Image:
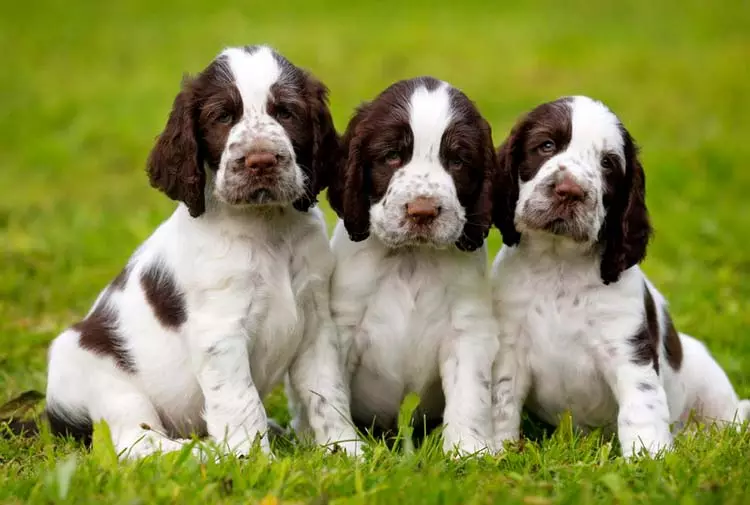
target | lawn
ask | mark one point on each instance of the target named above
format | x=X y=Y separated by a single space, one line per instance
x=86 y=86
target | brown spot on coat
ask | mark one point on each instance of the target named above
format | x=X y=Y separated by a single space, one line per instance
x=672 y=344
x=162 y=293
x=98 y=334
x=646 y=340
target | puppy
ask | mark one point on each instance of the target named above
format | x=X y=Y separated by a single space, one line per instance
x=231 y=292
x=409 y=293
x=590 y=333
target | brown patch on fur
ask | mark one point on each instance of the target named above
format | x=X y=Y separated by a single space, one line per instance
x=381 y=127
x=98 y=334
x=162 y=293
x=61 y=427
x=672 y=343
x=646 y=341
x=519 y=158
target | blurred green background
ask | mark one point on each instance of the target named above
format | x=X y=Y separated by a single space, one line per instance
x=87 y=85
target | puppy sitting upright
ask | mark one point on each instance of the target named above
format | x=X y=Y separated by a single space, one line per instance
x=409 y=293
x=231 y=292
x=591 y=334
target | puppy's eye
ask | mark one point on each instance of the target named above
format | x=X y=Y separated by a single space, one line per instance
x=282 y=112
x=225 y=117
x=455 y=163
x=608 y=162
x=392 y=159
x=546 y=147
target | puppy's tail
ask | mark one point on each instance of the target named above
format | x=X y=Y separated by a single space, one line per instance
x=14 y=412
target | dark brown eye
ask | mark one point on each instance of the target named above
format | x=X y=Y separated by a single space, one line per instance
x=455 y=163
x=546 y=147
x=225 y=117
x=282 y=112
x=392 y=159
x=608 y=162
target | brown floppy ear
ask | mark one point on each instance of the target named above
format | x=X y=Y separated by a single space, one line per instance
x=479 y=213
x=505 y=187
x=321 y=164
x=627 y=228
x=348 y=193
x=175 y=165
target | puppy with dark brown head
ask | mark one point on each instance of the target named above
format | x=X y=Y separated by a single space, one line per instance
x=230 y=294
x=590 y=333
x=409 y=292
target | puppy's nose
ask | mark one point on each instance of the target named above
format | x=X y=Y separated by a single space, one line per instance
x=568 y=189
x=422 y=210
x=261 y=161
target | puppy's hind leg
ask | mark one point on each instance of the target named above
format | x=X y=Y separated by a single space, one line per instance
x=84 y=387
x=711 y=396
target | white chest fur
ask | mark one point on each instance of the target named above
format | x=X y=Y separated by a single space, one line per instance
x=396 y=311
x=565 y=323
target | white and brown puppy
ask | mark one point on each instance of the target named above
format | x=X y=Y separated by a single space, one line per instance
x=590 y=333
x=409 y=293
x=231 y=292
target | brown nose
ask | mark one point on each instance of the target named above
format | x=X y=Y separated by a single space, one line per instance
x=422 y=210
x=261 y=161
x=568 y=189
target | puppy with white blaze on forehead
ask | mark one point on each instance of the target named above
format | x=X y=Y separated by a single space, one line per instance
x=589 y=333
x=409 y=293
x=230 y=294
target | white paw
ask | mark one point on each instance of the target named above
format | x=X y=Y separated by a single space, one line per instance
x=465 y=446
x=655 y=441
x=150 y=443
x=241 y=444
x=352 y=448
x=501 y=439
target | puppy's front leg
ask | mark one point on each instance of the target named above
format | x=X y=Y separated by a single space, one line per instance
x=510 y=384
x=317 y=380
x=643 y=417
x=234 y=415
x=466 y=372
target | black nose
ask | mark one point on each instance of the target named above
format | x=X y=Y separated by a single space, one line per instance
x=261 y=161
x=422 y=210
x=568 y=189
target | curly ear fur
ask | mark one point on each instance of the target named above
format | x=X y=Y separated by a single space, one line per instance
x=348 y=193
x=321 y=160
x=175 y=165
x=505 y=188
x=479 y=212
x=627 y=229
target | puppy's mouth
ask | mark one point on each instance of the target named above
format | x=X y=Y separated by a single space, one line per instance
x=412 y=235
x=566 y=219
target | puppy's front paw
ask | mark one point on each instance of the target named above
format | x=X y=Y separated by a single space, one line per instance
x=352 y=448
x=654 y=439
x=241 y=445
x=501 y=439
x=464 y=444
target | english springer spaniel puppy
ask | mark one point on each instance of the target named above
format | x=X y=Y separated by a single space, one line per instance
x=410 y=293
x=589 y=332
x=228 y=295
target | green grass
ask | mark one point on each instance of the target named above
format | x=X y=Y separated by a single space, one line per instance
x=85 y=87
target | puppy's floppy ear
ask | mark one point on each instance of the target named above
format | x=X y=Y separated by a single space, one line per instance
x=505 y=186
x=175 y=165
x=348 y=193
x=627 y=228
x=321 y=165
x=479 y=212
